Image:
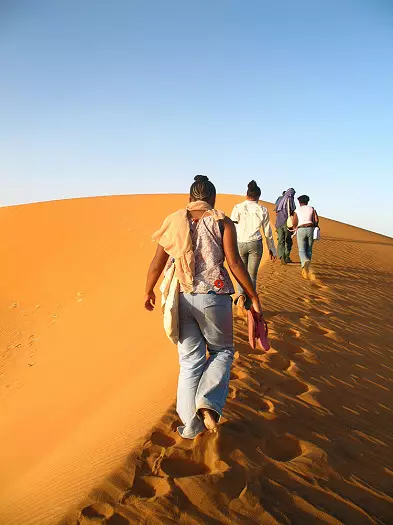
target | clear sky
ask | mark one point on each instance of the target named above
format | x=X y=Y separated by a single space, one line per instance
x=105 y=97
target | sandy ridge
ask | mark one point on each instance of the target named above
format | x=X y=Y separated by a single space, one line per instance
x=308 y=430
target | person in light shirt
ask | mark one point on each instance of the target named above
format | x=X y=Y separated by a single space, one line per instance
x=305 y=219
x=250 y=217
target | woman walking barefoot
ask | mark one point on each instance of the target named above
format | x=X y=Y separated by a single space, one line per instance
x=305 y=219
x=250 y=217
x=197 y=240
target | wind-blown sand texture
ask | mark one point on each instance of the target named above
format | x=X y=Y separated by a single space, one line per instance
x=88 y=381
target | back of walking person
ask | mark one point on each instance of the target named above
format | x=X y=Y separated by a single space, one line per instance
x=194 y=242
x=285 y=208
x=250 y=218
x=305 y=219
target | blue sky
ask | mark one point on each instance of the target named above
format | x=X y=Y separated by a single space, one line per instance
x=129 y=96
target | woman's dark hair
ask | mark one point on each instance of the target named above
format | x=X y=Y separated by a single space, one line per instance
x=254 y=191
x=303 y=199
x=202 y=189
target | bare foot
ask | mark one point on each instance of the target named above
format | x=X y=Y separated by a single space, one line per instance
x=306 y=270
x=209 y=420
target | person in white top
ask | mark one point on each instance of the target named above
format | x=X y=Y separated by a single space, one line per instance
x=250 y=217
x=305 y=219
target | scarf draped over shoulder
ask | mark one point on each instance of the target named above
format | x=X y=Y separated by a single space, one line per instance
x=174 y=236
x=281 y=203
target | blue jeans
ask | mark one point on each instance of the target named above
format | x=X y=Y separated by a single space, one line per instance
x=205 y=320
x=251 y=254
x=305 y=240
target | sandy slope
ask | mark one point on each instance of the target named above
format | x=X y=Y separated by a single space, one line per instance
x=86 y=373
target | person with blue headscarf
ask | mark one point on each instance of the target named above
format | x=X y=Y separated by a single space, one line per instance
x=285 y=207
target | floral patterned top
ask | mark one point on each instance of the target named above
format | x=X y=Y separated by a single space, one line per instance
x=210 y=274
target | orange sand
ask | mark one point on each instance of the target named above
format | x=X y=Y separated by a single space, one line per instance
x=88 y=379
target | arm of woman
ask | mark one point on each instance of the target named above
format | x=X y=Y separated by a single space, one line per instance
x=236 y=264
x=155 y=270
x=267 y=230
x=295 y=220
x=235 y=215
x=316 y=218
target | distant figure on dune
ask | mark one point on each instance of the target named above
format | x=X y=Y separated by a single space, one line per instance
x=250 y=217
x=198 y=307
x=305 y=219
x=285 y=208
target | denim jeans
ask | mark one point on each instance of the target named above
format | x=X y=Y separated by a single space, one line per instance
x=205 y=321
x=284 y=241
x=251 y=254
x=305 y=240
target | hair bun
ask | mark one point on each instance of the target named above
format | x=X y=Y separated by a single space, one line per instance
x=201 y=178
x=252 y=186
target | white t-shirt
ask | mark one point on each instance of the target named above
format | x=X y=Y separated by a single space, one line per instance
x=251 y=217
x=305 y=215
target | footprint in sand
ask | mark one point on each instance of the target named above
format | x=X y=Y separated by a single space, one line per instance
x=294 y=333
x=118 y=519
x=161 y=439
x=287 y=347
x=267 y=409
x=276 y=361
x=179 y=467
x=293 y=387
x=97 y=512
x=147 y=487
x=282 y=448
x=320 y=330
x=265 y=406
x=314 y=329
x=318 y=299
x=317 y=284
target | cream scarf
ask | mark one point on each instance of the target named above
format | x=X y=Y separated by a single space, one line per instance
x=174 y=236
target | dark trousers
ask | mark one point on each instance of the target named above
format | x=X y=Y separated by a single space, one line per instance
x=284 y=242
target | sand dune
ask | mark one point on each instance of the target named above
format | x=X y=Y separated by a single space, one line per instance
x=88 y=381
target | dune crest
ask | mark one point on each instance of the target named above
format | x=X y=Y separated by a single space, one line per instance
x=88 y=381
